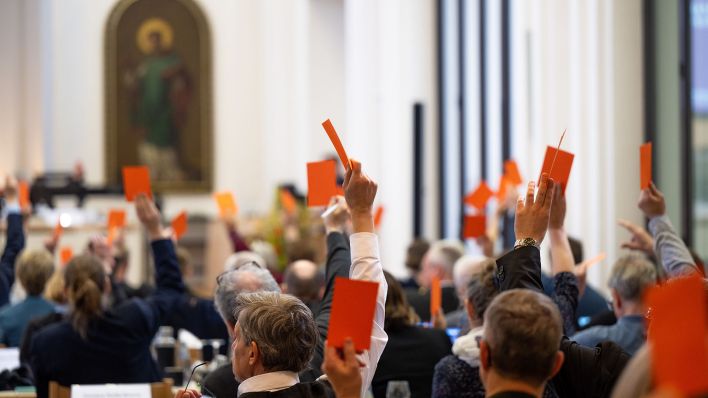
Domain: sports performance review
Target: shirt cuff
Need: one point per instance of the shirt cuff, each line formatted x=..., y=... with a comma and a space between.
x=364, y=244
x=11, y=208
x=660, y=223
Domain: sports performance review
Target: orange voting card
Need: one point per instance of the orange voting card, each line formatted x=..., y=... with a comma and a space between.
x=58, y=230
x=378, y=216
x=475, y=226
x=435, y=296
x=511, y=172
x=645, y=165
x=116, y=219
x=65, y=255
x=179, y=225
x=678, y=335
x=136, y=180
x=23, y=195
x=480, y=196
x=227, y=204
x=562, y=162
x=332, y=133
x=321, y=183
x=287, y=200
x=352, y=316
x=504, y=186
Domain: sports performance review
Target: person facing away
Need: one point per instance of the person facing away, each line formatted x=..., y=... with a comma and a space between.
x=414, y=257
x=438, y=262
x=94, y=345
x=630, y=277
x=304, y=280
x=34, y=268
x=411, y=351
x=519, y=351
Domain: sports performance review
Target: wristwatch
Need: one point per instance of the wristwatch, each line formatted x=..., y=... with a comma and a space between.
x=525, y=242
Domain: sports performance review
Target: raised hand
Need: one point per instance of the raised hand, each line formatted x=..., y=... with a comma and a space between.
x=558, y=210
x=532, y=214
x=10, y=189
x=149, y=216
x=336, y=221
x=343, y=371
x=187, y=393
x=360, y=192
x=651, y=202
x=641, y=239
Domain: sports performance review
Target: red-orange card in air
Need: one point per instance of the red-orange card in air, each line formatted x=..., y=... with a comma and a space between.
x=677, y=335
x=645, y=165
x=561, y=168
x=511, y=171
x=179, y=225
x=58, y=230
x=65, y=255
x=287, y=200
x=480, y=196
x=332, y=133
x=435, y=296
x=227, y=204
x=378, y=216
x=136, y=180
x=474, y=227
x=23, y=195
x=321, y=183
x=116, y=219
x=504, y=185
x=352, y=316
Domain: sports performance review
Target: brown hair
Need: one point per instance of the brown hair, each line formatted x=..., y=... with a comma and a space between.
x=84, y=278
x=282, y=327
x=34, y=268
x=523, y=330
x=481, y=290
x=398, y=312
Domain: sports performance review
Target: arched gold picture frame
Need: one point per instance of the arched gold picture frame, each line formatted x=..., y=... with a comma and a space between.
x=158, y=94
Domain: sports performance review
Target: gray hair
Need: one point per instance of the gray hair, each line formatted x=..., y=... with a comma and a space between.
x=282, y=327
x=631, y=276
x=445, y=253
x=239, y=259
x=248, y=278
x=464, y=268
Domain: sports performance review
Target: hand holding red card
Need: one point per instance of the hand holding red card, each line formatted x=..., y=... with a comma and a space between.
x=558, y=170
x=136, y=180
x=321, y=183
x=332, y=133
x=352, y=316
x=179, y=225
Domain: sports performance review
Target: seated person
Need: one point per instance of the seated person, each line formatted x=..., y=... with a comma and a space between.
x=439, y=262
x=465, y=267
x=630, y=278
x=94, y=345
x=304, y=280
x=14, y=242
x=414, y=257
x=34, y=268
x=411, y=351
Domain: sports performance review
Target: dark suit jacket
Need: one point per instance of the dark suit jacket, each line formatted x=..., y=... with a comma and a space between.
x=14, y=244
x=117, y=347
x=222, y=382
x=300, y=390
x=411, y=354
x=198, y=316
x=420, y=301
x=586, y=372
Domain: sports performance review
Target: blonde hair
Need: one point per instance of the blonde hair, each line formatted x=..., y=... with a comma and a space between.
x=34, y=268
x=84, y=280
x=54, y=291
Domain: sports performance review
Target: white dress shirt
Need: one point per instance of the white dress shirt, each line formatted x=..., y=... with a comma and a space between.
x=272, y=381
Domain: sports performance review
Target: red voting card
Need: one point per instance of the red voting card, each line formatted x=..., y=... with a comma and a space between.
x=475, y=226
x=504, y=186
x=136, y=180
x=378, y=216
x=23, y=195
x=678, y=335
x=511, y=172
x=65, y=255
x=287, y=200
x=332, y=133
x=435, y=296
x=227, y=204
x=179, y=225
x=561, y=167
x=58, y=230
x=321, y=183
x=352, y=316
x=116, y=219
x=480, y=196
x=645, y=165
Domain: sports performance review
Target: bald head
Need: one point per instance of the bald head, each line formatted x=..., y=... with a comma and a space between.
x=304, y=280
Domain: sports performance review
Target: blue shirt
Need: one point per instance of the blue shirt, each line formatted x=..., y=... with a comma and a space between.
x=14, y=318
x=629, y=333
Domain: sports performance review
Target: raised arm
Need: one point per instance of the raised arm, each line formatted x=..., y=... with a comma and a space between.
x=670, y=249
x=167, y=275
x=360, y=192
x=15, y=241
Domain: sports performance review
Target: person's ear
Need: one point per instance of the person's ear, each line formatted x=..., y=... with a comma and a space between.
x=254, y=355
x=469, y=308
x=485, y=356
x=560, y=358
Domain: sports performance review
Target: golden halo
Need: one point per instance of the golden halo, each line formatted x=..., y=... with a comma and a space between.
x=149, y=26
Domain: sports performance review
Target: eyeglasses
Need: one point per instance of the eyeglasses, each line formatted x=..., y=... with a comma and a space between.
x=221, y=276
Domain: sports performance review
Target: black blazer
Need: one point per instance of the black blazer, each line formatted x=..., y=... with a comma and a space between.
x=117, y=347
x=586, y=372
x=300, y=390
x=14, y=244
x=411, y=354
x=198, y=316
x=420, y=301
x=222, y=383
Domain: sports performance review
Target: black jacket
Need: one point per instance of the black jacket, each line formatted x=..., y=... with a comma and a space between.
x=117, y=347
x=198, y=316
x=420, y=301
x=222, y=383
x=300, y=390
x=586, y=372
x=14, y=244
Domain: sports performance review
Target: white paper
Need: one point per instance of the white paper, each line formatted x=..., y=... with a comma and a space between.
x=9, y=358
x=111, y=391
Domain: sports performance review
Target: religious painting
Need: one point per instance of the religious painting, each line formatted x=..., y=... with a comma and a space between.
x=158, y=94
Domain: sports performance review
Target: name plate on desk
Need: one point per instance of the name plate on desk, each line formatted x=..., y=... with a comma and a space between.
x=111, y=391
x=9, y=358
